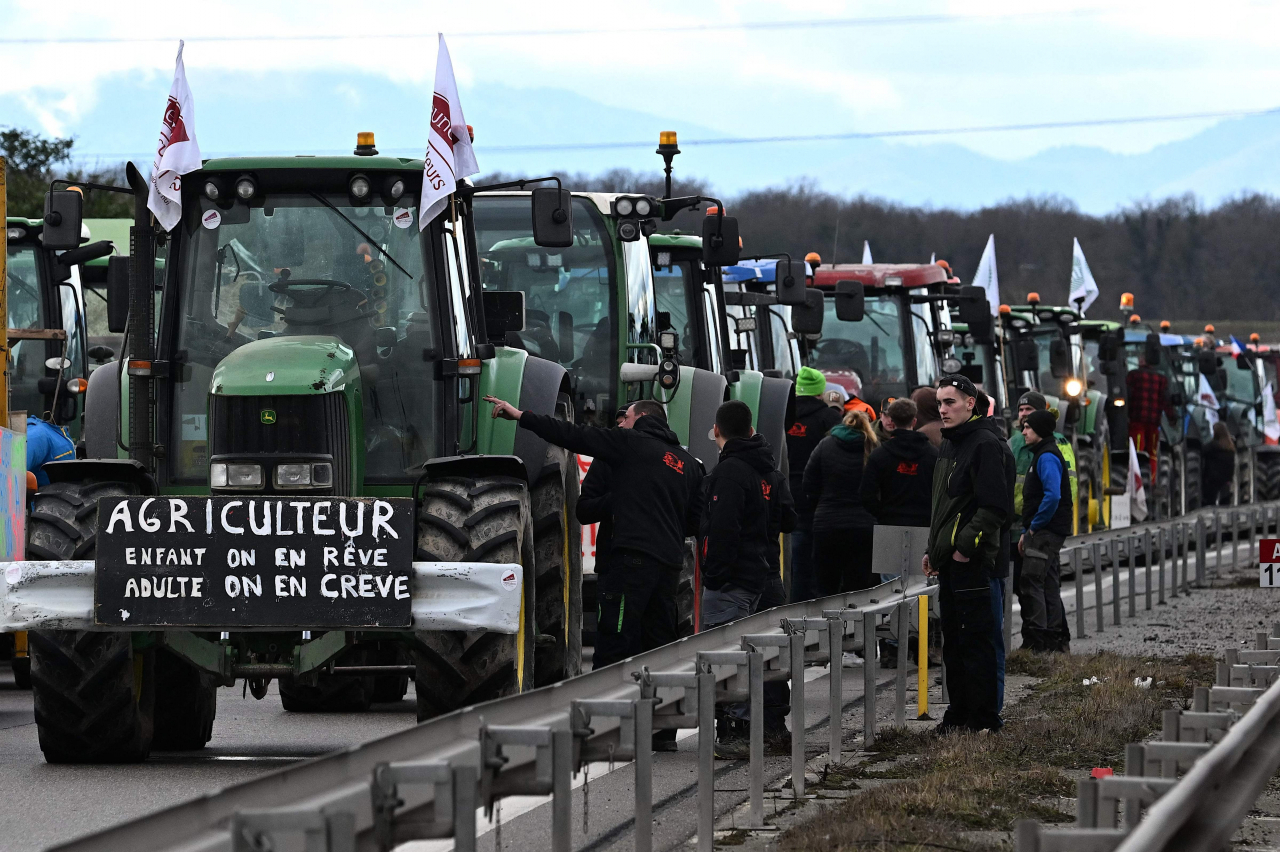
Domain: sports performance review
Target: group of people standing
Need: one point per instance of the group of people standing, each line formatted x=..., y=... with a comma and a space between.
x=936, y=460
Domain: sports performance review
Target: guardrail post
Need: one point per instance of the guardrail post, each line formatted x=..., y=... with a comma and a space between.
x=1027, y=834
x=1079, y=574
x=1114, y=549
x=1148, y=535
x=1160, y=575
x=1175, y=540
x=1201, y=543
x=1095, y=554
x=321, y=832
x=797, y=702
x=1184, y=533
x=1133, y=573
x=644, y=774
x=1087, y=803
x=1235, y=540
x=869, y=680
x=835, y=719
x=755, y=676
x=902, y=617
x=1135, y=766
x=707, y=757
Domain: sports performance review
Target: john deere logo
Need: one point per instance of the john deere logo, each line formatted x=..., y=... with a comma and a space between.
x=267, y=416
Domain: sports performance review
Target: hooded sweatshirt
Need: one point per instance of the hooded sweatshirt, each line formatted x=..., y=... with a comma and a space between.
x=928, y=421
x=814, y=419
x=735, y=517
x=897, y=486
x=833, y=482
x=656, y=484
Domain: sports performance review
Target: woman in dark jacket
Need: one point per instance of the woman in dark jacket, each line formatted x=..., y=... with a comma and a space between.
x=842, y=526
x=1219, y=466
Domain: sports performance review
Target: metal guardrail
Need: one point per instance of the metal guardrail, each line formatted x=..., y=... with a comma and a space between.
x=1228, y=745
x=427, y=782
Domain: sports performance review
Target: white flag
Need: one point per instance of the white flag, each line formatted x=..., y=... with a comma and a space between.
x=1270, y=422
x=1137, y=493
x=1083, y=288
x=866, y=252
x=986, y=276
x=1209, y=400
x=177, y=152
x=449, y=156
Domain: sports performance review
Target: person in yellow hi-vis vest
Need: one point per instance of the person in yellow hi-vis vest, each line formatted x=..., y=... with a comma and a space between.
x=1023, y=457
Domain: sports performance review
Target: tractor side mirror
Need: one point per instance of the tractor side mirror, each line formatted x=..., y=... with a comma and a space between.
x=807, y=318
x=1028, y=356
x=1151, y=350
x=63, y=217
x=790, y=277
x=84, y=254
x=975, y=312
x=552, y=218
x=503, y=312
x=720, y=243
x=1059, y=359
x=851, y=301
x=117, y=293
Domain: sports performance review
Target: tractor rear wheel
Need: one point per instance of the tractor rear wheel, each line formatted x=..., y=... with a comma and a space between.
x=557, y=538
x=1086, y=463
x=486, y=519
x=1191, y=461
x=329, y=693
x=685, y=591
x=1268, y=481
x=185, y=705
x=94, y=695
x=22, y=672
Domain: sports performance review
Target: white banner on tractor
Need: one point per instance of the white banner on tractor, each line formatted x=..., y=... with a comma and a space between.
x=866, y=252
x=177, y=152
x=1270, y=423
x=1083, y=288
x=986, y=276
x=449, y=156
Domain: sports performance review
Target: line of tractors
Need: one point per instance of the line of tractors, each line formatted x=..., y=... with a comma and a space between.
x=295, y=340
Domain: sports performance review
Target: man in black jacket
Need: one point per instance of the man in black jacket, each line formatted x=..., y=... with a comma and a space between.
x=656, y=486
x=972, y=504
x=897, y=482
x=735, y=520
x=1047, y=512
x=814, y=419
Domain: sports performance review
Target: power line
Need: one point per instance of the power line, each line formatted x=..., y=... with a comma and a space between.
x=815, y=137
x=739, y=26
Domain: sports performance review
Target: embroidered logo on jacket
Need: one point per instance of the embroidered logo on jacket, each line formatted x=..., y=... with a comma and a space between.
x=765, y=489
x=908, y=468
x=798, y=430
x=674, y=463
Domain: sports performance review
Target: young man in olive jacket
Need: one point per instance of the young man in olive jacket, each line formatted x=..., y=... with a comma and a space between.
x=972, y=504
x=814, y=419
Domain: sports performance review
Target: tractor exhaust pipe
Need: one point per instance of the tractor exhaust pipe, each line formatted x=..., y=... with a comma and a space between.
x=141, y=343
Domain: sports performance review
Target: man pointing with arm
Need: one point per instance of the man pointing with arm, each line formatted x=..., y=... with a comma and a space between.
x=655, y=503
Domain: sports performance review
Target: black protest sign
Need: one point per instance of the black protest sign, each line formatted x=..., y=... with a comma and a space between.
x=254, y=562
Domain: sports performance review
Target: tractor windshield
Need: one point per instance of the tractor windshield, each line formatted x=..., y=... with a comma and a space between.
x=866, y=356
x=570, y=306
x=676, y=291
x=25, y=311
x=1241, y=383
x=355, y=273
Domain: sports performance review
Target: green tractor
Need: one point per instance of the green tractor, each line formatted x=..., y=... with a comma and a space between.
x=594, y=309
x=292, y=476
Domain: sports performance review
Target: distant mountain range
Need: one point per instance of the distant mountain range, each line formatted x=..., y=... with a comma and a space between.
x=313, y=112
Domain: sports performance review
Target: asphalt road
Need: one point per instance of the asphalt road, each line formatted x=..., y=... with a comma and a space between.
x=43, y=804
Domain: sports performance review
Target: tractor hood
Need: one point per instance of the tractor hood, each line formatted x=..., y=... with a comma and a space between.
x=306, y=364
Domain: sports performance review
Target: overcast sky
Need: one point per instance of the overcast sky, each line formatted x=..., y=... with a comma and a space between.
x=992, y=62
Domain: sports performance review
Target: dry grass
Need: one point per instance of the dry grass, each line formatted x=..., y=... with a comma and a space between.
x=945, y=786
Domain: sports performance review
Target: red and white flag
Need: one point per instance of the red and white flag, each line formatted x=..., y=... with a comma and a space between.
x=177, y=152
x=1137, y=493
x=449, y=156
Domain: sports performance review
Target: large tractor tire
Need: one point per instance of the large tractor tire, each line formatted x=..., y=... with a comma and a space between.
x=22, y=672
x=1164, y=487
x=1195, y=484
x=685, y=592
x=557, y=547
x=93, y=695
x=1086, y=462
x=1268, y=483
x=487, y=519
x=185, y=705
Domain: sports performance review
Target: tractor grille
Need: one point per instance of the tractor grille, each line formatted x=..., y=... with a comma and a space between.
x=312, y=424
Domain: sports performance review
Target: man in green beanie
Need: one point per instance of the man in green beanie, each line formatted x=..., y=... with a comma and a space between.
x=814, y=418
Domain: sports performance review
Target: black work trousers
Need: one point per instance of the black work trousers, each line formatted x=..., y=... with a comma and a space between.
x=969, y=640
x=843, y=560
x=636, y=612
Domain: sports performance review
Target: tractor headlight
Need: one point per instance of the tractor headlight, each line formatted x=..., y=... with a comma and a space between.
x=1073, y=387
x=212, y=191
x=624, y=206
x=304, y=475
x=223, y=475
x=360, y=187
x=643, y=207
x=245, y=188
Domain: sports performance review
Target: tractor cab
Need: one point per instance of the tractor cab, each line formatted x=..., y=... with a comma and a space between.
x=48, y=358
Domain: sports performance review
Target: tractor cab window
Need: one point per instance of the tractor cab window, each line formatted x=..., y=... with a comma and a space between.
x=786, y=353
x=674, y=286
x=300, y=266
x=570, y=306
x=922, y=338
x=26, y=310
x=1044, y=337
x=1242, y=385
x=864, y=356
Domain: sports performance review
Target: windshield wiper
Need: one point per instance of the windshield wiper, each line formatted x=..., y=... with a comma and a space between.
x=372, y=242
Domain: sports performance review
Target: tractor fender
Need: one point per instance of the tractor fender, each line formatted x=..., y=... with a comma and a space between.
x=540, y=387
x=692, y=412
x=1267, y=449
x=102, y=412
x=531, y=384
x=102, y=470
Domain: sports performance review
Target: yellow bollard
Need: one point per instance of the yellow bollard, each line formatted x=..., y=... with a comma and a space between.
x=922, y=657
